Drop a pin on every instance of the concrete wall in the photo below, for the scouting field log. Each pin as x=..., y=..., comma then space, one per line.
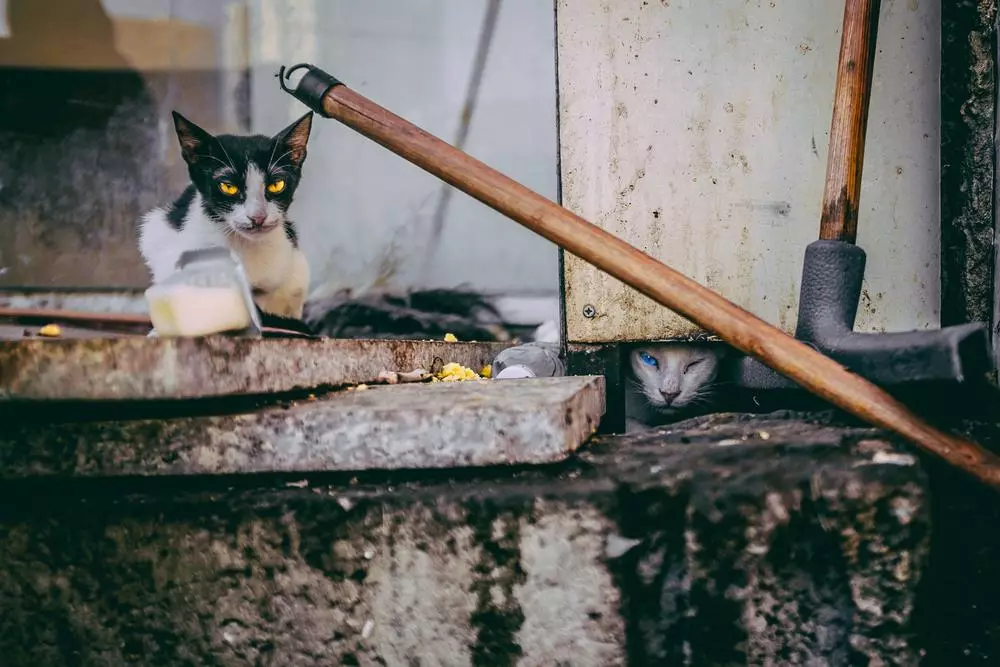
x=968, y=164
x=703, y=546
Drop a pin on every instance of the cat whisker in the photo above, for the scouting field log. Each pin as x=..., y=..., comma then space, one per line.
x=639, y=388
x=270, y=159
x=277, y=163
x=702, y=394
x=706, y=392
x=212, y=157
x=226, y=153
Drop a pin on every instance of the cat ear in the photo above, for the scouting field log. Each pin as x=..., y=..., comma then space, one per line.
x=193, y=139
x=293, y=139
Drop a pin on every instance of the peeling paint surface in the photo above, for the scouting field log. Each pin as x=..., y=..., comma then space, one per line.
x=698, y=132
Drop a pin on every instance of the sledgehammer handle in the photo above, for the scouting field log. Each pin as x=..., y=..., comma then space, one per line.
x=748, y=333
x=842, y=194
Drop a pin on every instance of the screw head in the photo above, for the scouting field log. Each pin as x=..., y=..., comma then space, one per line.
x=589, y=311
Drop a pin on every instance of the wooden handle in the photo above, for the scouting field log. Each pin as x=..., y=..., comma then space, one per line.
x=842, y=195
x=114, y=321
x=744, y=331
x=126, y=320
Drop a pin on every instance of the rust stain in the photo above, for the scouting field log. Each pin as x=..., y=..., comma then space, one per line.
x=866, y=302
x=839, y=220
x=742, y=160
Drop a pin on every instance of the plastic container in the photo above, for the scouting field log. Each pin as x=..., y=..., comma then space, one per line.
x=535, y=359
x=208, y=294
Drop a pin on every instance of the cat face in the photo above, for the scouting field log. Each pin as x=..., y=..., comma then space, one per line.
x=246, y=183
x=673, y=376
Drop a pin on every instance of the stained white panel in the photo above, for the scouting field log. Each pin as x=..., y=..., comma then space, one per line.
x=698, y=132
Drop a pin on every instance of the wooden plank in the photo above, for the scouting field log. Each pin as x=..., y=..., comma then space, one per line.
x=438, y=425
x=127, y=369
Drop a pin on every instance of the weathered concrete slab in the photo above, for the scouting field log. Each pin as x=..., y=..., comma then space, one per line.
x=706, y=545
x=436, y=425
x=143, y=369
x=18, y=332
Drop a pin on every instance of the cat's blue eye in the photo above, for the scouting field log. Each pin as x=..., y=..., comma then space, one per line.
x=648, y=359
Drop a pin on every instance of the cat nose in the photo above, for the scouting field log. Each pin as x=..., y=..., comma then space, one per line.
x=669, y=396
x=257, y=220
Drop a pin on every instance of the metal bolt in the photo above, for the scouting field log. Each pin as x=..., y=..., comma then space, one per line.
x=589, y=311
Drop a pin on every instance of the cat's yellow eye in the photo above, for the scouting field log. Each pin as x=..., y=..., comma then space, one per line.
x=274, y=187
x=228, y=189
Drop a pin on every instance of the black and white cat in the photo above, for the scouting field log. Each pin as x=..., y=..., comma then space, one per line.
x=240, y=192
x=668, y=381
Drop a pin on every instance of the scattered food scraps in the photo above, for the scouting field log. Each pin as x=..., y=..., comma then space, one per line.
x=457, y=373
x=450, y=338
x=617, y=546
x=894, y=458
x=388, y=377
x=50, y=331
x=392, y=377
x=362, y=387
x=487, y=371
x=416, y=375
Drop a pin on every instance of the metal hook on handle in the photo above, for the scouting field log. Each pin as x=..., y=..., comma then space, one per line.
x=286, y=73
x=311, y=88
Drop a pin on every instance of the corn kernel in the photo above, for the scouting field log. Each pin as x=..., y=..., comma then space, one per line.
x=50, y=331
x=450, y=338
x=453, y=372
x=487, y=371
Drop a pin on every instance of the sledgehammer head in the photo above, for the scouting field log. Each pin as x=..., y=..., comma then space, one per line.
x=828, y=303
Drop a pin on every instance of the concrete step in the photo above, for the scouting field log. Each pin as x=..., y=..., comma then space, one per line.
x=143, y=369
x=732, y=540
x=437, y=425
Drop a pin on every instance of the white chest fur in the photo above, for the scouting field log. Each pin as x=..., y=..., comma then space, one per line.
x=276, y=269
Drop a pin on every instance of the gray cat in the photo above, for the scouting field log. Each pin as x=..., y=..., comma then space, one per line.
x=669, y=381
